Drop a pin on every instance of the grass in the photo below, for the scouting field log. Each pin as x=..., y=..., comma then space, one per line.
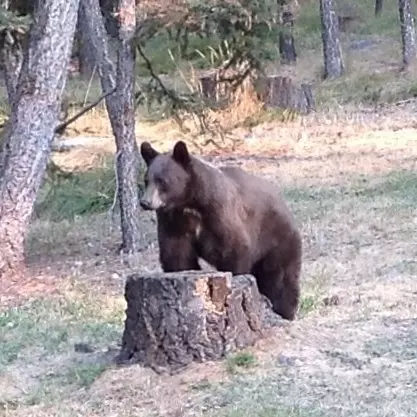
x=38, y=340
x=50, y=326
x=353, y=357
x=242, y=360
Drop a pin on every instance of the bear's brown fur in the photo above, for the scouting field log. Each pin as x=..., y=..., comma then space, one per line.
x=233, y=220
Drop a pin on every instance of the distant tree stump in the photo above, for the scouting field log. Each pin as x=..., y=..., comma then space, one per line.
x=173, y=319
x=282, y=92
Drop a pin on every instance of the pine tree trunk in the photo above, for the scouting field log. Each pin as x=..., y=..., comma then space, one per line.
x=120, y=108
x=378, y=7
x=30, y=130
x=127, y=149
x=407, y=31
x=286, y=40
x=333, y=59
x=11, y=57
x=85, y=57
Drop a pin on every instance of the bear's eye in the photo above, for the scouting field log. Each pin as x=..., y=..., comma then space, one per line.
x=162, y=183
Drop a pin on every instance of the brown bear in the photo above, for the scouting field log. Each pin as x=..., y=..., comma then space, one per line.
x=233, y=220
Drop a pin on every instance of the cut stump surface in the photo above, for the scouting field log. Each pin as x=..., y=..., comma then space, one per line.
x=173, y=319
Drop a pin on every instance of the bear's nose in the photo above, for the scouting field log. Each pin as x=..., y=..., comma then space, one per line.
x=146, y=205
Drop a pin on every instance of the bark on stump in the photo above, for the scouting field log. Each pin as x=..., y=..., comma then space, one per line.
x=282, y=92
x=174, y=319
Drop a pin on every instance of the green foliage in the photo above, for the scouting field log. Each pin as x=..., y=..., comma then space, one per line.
x=246, y=29
x=80, y=194
x=13, y=23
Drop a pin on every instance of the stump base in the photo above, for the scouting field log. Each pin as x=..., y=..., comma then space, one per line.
x=173, y=319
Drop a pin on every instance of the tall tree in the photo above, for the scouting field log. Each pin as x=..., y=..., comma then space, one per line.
x=13, y=36
x=120, y=107
x=127, y=149
x=30, y=129
x=378, y=7
x=408, y=35
x=332, y=51
x=286, y=35
x=85, y=57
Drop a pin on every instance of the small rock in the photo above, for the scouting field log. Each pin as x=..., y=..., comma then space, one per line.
x=83, y=348
x=331, y=301
x=286, y=360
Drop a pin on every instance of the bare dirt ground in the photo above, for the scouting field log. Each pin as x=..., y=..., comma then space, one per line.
x=352, y=185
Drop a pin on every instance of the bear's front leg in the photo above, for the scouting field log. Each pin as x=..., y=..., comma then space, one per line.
x=176, y=238
x=178, y=254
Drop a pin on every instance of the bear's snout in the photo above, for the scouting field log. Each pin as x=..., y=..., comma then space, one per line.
x=146, y=205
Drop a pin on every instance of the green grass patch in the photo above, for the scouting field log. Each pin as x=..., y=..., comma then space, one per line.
x=241, y=360
x=51, y=326
x=308, y=304
x=400, y=186
x=55, y=385
x=81, y=194
x=400, y=347
x=262, y=411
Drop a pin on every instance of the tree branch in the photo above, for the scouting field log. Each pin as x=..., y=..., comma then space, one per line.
x=61, y=127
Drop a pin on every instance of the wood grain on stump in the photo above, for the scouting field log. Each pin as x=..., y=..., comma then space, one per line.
x=173, y=319
x=282, y=92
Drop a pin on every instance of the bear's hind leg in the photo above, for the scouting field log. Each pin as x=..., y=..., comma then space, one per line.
x=288, y=297
x=280, y=284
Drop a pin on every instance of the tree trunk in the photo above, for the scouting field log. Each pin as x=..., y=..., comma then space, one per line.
x=85, y=57
x=127, y=149
x=286, y=37
x=120, y=108
x=12, y=57
x=30, y=129
x=174, y=319
x=108, y=9
x=287, y=47
x=333, y=59
x=408, y=36
x=378, y=7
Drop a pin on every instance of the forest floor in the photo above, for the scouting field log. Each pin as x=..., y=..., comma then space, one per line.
x=352, y=184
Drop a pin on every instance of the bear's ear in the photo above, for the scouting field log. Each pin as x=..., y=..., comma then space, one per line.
x=180, y=154
x=148, y=153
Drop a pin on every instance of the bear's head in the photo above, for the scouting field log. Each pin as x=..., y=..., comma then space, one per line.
x=167, y=178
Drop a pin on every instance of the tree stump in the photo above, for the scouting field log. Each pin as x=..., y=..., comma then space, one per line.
x=174, y=319
x=281, y=92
